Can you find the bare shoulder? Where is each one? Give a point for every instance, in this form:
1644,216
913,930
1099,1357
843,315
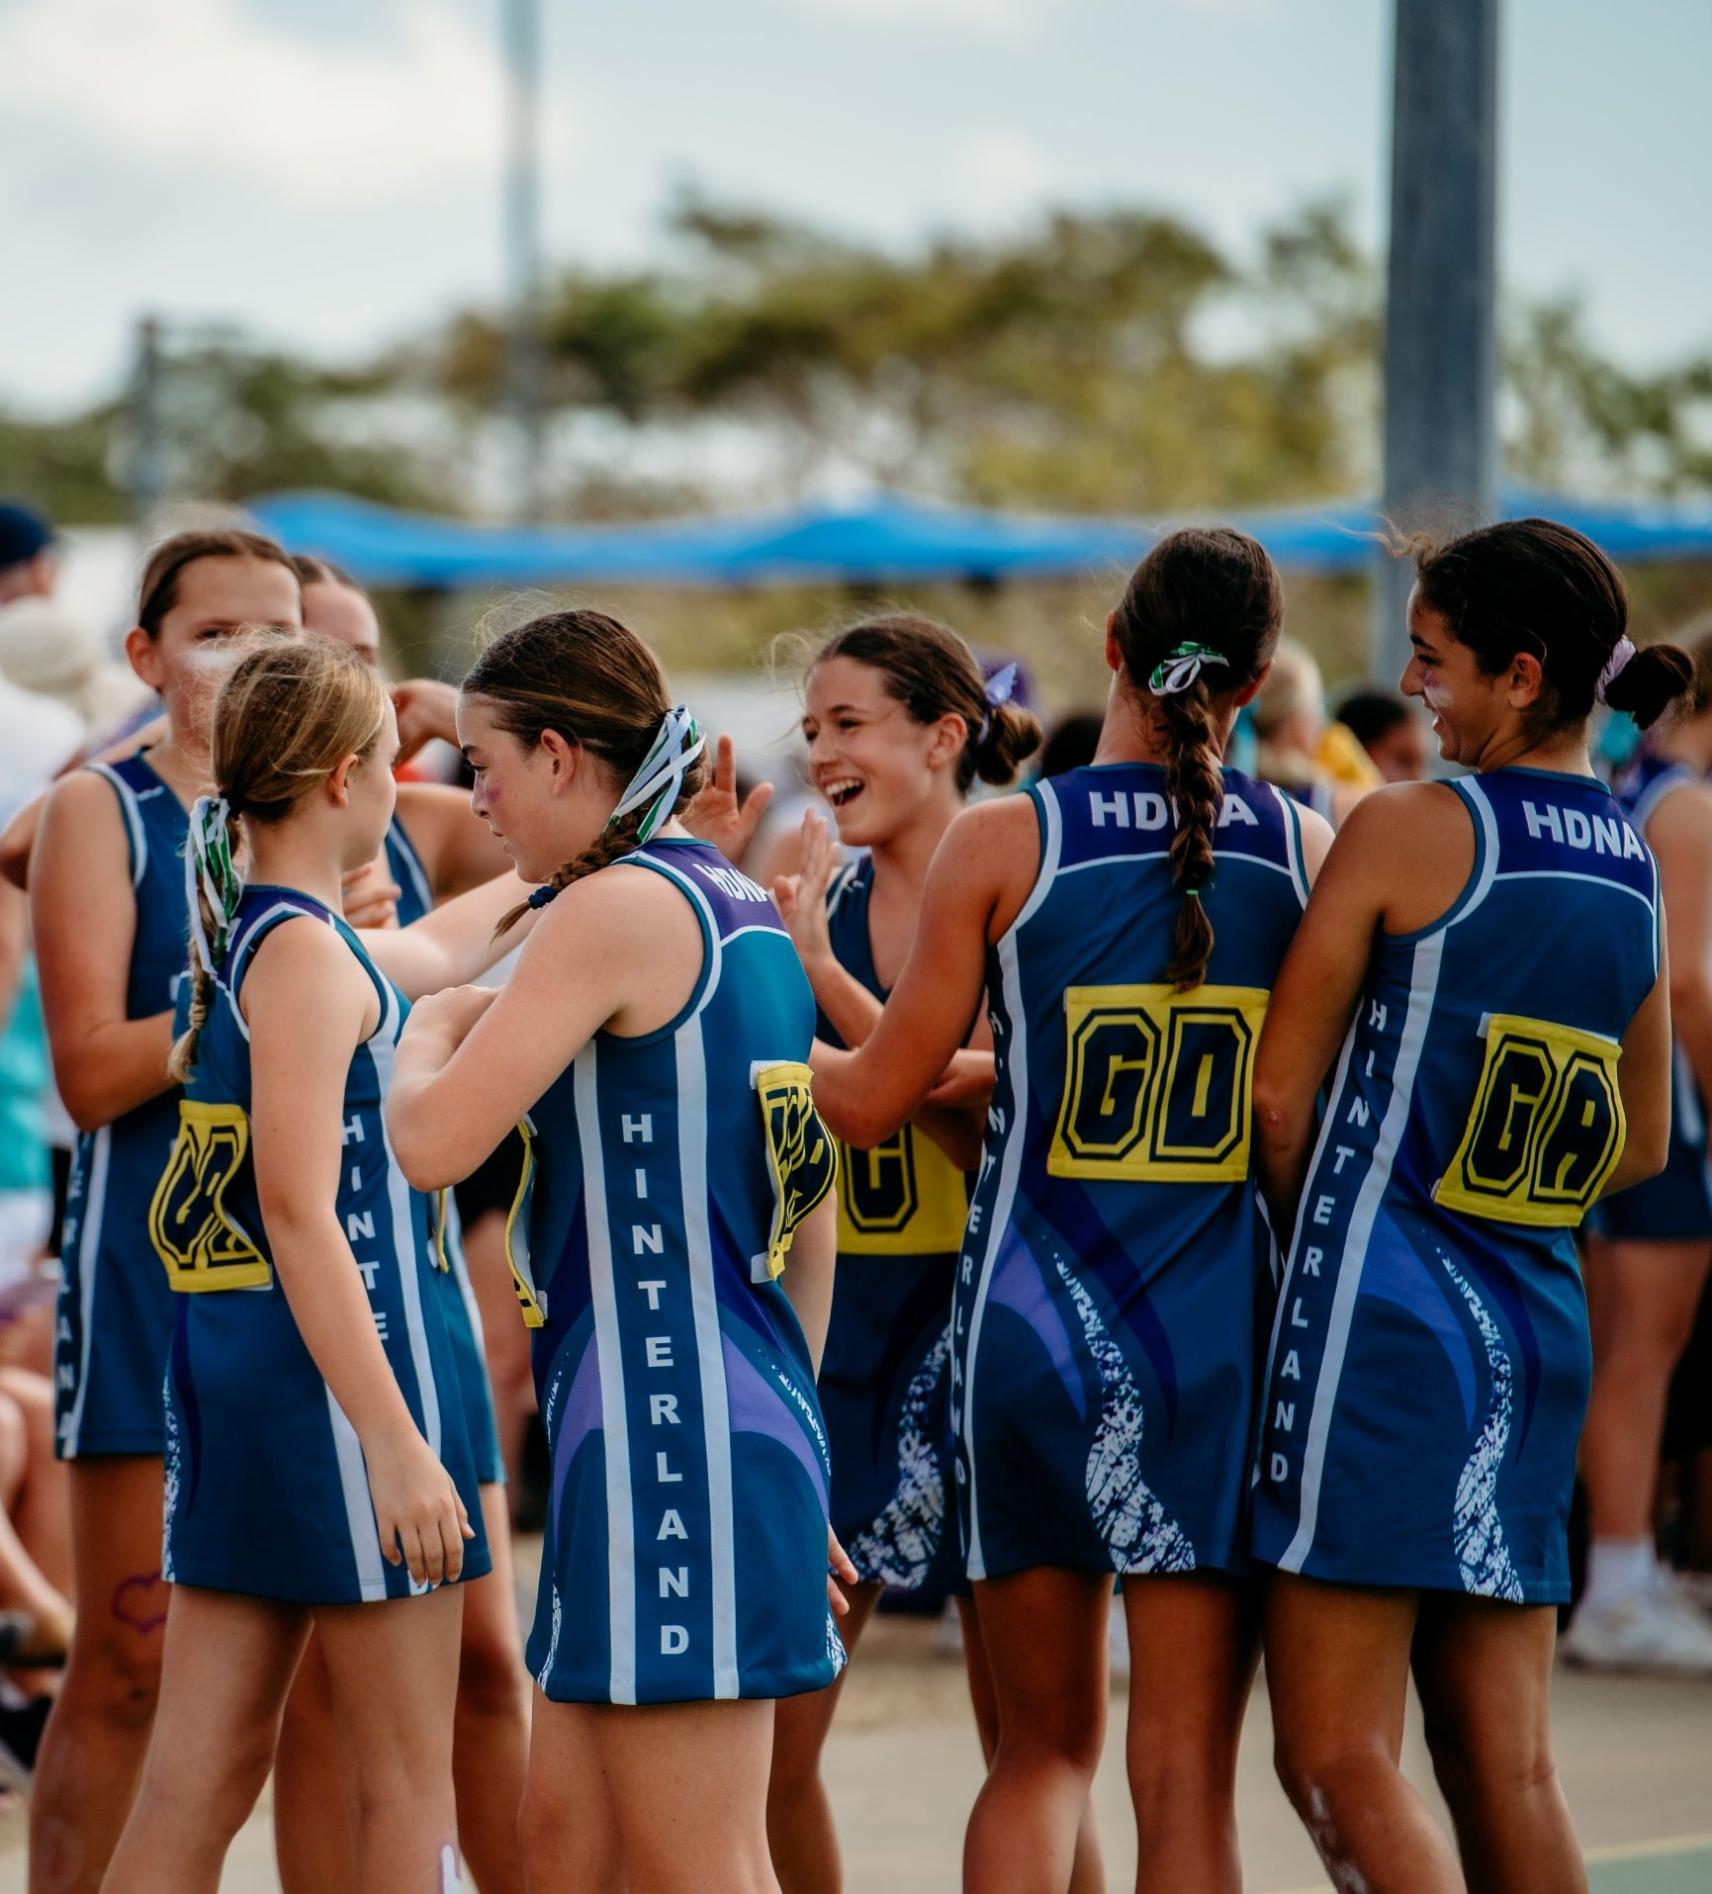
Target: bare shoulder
83,796
301,964
81,816
1411,846
1681,819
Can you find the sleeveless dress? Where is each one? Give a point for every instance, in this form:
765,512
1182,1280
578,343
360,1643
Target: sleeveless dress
685,1552
266,1488
1113,1277
452,1280
1430,1359
1675,1206
885,1378
114,1316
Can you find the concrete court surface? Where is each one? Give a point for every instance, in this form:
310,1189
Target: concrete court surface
1636,1757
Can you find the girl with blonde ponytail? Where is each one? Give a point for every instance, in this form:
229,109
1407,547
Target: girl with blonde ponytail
1125,922
319,1470
672,1246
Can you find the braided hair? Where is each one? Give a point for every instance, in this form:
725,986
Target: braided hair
1199,619
598,685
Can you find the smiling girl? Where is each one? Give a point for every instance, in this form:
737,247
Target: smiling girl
1488,954
898,725
107,904
654,1039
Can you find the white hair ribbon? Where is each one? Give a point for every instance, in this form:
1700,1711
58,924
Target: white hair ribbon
208,872
1615,665
660,776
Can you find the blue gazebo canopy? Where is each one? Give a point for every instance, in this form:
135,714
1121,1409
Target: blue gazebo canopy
886,539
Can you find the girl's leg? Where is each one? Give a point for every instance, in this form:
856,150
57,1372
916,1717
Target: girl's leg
228,1664
92,1749
24,1586
688,1783
1088,1876
1194,1645
490,1734
314,1795
1337,1668
569,1826
1044,1633
1643,1298
394,1671
1484,1673
505,1341
42,1513
800,1829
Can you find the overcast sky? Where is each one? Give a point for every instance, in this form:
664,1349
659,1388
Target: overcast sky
326,172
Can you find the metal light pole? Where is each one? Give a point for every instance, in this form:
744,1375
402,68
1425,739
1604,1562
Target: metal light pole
1441,329
525,354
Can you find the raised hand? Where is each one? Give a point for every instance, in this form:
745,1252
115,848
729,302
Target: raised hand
716,816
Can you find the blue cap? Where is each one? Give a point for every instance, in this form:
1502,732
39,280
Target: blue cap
23,533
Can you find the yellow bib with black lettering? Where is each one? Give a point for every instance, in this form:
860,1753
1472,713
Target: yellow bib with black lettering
1157,1083
904,1197
194,1234
1546,1130
802,1156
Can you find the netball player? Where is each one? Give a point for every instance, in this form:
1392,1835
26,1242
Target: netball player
897,727
315,1427
1648,1250
434,848
1488,954
107,901
654,1038
1126,922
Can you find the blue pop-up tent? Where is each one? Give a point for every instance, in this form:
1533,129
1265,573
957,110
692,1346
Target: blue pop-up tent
886,539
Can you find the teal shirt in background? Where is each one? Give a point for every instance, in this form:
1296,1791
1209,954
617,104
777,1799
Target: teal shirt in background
24,1077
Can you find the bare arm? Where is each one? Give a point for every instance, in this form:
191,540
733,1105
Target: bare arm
621,949
455,943
14,945
1643,1079
309,1006
979,879
808,1273
1681,836
84,914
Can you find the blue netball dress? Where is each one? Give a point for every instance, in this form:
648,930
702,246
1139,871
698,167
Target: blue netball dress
452,1282
1430,1361
1107,1316
885,1378
266,1489
115,1310
685,1553
1675,1206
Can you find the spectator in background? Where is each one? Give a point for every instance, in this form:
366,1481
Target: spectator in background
1317,762
27,560
1387,727
1071,742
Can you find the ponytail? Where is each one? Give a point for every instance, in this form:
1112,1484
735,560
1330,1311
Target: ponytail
212,887
1195,785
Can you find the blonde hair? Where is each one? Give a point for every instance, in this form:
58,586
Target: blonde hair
290,710
598,685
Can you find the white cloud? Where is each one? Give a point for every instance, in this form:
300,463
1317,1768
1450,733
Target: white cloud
202,83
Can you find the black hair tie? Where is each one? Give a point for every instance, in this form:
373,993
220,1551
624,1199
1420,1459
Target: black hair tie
542,896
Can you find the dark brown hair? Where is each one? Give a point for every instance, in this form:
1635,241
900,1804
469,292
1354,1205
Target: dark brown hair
1216,587
1537,586
312,569
172,558
933,674
600,687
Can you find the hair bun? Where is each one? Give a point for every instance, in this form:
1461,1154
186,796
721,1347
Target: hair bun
1012,734
1652,680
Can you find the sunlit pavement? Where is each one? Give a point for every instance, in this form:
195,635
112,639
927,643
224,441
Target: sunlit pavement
1636,1758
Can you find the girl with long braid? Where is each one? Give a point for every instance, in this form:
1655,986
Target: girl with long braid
1125,922
318,1467
107,904
654,1041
